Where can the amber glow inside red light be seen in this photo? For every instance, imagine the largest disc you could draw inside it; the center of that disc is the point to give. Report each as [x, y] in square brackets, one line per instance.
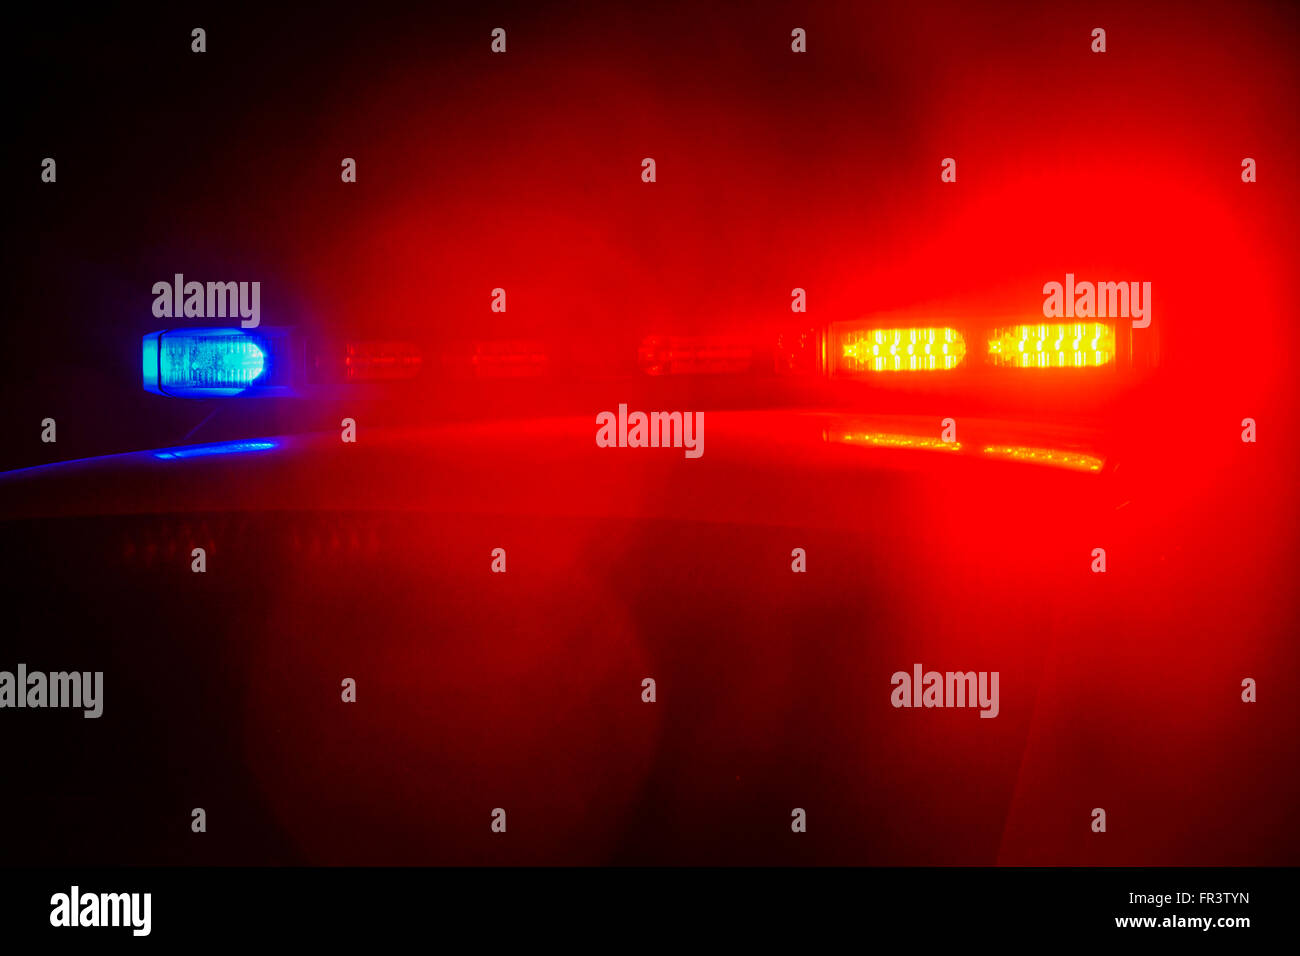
[900, 349]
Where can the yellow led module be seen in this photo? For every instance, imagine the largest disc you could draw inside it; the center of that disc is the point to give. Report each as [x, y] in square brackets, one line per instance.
[1075, 345]
[900, 350]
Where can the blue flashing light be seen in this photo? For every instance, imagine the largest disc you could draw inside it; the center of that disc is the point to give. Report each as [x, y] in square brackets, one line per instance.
[151, 362]
[218, 448]
[215, 363]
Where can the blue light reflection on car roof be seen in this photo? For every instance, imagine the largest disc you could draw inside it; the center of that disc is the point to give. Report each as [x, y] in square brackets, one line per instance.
[239, 446]
[218, 448]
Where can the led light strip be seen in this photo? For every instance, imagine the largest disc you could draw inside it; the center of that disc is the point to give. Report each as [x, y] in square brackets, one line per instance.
[1076, 345]
[901, 350]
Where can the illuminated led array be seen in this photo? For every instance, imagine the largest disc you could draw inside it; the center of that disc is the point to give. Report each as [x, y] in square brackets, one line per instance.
[901, 350]
[206, 360]
[883, 440]
[1074, 345]
[1046, 456]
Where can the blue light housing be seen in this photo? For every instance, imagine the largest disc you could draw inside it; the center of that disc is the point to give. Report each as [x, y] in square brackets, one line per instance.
[216, 363]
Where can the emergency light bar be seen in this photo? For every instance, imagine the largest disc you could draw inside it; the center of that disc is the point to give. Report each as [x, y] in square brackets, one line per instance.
[235, 362]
